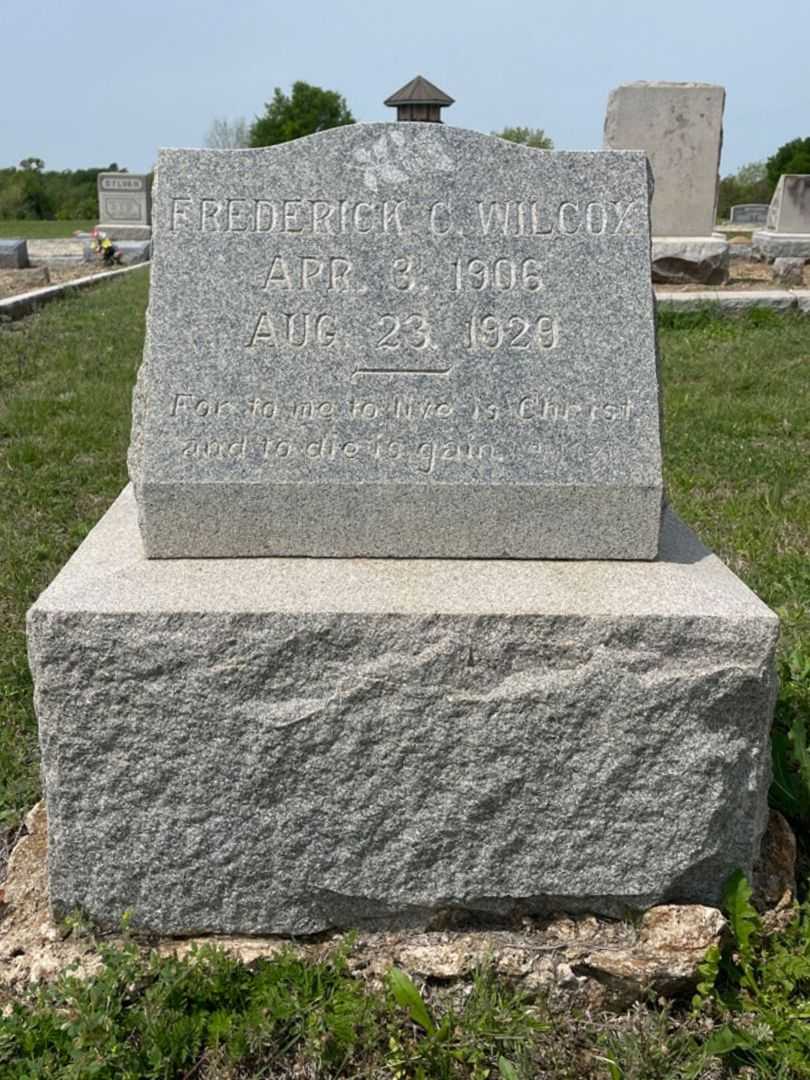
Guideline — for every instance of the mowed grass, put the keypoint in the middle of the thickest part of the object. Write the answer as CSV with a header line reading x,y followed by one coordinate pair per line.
x,y
25,229
737,449
65,384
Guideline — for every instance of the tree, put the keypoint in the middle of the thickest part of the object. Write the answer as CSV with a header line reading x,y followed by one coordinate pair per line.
x,y
307,110
534,137
32,164
227,134
793,157
750,184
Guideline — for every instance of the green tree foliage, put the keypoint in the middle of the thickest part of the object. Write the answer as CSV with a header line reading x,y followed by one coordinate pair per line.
x,y
308,109
31,192
750,184
793,157
534,137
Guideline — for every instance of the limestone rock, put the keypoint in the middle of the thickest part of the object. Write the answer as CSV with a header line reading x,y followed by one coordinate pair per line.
x,y
789,271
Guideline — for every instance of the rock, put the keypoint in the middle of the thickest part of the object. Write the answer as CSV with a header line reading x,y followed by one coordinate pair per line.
x,y
789,271
680,260
774,879
673,941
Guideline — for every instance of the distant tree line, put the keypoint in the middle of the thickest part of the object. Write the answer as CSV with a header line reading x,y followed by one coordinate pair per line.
x,y
756,183
29,191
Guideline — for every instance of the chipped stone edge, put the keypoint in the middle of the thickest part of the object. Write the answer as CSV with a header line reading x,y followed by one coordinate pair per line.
x,y
15,307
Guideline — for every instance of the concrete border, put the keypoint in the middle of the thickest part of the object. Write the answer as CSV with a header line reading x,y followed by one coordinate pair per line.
x,y
729,302
15,307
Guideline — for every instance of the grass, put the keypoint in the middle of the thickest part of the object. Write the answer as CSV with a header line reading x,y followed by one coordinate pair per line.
x,y
737,440
25,229
65,379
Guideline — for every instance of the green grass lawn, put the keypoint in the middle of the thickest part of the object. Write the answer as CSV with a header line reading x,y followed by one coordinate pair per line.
x,y
25,229
737,439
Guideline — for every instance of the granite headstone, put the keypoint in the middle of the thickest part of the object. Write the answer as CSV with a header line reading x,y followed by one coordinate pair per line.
x,y
749,214
399,340
125,205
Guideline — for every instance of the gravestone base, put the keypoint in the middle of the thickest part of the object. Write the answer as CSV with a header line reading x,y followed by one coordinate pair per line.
x,y
769,245
126,232
686,260
283,745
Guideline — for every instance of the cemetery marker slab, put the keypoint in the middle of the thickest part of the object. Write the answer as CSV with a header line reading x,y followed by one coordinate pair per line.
x,y
399,340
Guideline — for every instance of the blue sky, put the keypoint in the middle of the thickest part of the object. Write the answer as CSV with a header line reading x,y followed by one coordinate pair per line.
x,y
89,82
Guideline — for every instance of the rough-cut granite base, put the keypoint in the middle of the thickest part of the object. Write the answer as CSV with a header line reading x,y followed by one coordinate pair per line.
x,y
283,745
771,245
684,260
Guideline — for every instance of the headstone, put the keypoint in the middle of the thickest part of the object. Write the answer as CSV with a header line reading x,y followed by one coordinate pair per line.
x,y
787,233
285,744
125,206
680,127
13,254
749,214
789,211
400,340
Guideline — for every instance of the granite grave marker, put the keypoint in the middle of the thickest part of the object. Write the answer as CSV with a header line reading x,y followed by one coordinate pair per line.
x,y
124,205
787,231
402,340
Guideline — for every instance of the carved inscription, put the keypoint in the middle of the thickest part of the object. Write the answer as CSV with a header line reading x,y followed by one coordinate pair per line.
x,y
479,291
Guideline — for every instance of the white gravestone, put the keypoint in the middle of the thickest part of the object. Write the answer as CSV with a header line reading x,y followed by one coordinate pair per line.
x,y
787,231
680,127
125,206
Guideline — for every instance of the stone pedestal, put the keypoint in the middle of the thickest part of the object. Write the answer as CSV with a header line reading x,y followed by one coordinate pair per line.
x,y
769,245
126,232
687,260
287,744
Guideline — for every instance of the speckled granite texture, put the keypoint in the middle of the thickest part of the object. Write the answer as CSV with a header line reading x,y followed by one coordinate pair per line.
x,y
285,745
399,340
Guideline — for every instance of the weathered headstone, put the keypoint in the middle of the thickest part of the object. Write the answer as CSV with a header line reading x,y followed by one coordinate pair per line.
x,y
400,341
787,232
749,214
680,127
290,744
124,205
13,254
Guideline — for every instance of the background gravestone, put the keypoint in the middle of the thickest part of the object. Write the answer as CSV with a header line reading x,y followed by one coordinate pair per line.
x,y
124,206
402,340
680,127
749,214
787,232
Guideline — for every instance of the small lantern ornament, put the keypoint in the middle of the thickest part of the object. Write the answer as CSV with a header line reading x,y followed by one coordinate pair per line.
x,y
419,100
